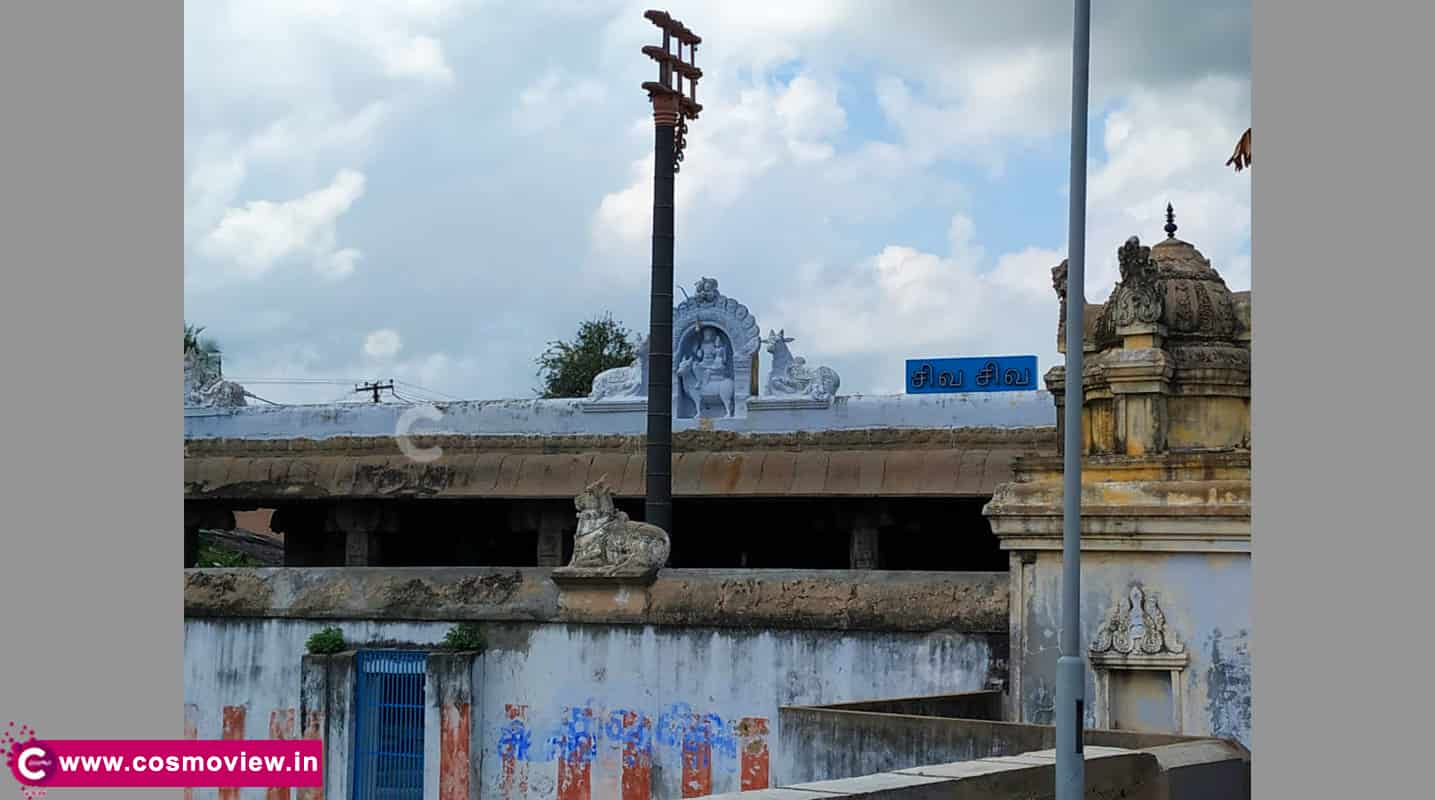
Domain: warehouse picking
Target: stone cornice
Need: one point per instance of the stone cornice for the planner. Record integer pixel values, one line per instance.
(963, 602)
(1035, 439)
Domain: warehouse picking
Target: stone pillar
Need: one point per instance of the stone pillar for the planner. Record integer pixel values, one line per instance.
(364, 526)
(553, 529)
(865, 543)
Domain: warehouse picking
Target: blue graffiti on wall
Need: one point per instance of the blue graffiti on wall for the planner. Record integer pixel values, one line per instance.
(636, 738)
(514, 740)
(575, 737)
(574, 740)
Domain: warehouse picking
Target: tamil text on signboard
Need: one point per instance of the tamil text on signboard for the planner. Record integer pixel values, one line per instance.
(981, 374)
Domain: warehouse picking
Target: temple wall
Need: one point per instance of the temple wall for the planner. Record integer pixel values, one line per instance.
(580, 693)
(1205, 598)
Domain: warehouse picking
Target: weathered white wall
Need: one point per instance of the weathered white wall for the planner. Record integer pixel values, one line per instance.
(1206, 599)
(581, 693)
(560, 417)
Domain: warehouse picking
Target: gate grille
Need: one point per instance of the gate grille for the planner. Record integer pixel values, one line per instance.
(389, 725)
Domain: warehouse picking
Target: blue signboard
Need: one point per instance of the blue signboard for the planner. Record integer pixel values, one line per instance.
(980, 374)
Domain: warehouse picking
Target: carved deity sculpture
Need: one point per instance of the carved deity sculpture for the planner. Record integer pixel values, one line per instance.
(791, 377)
(704, 372)
(608, 543)
(626, 382)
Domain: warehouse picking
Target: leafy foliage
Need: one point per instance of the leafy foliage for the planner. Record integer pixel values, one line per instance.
(567, 369)
(325, 642)
(465, 636)
(215, 557)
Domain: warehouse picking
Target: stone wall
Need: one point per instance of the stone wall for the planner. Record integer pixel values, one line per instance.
(678, 683)
(1205, 598)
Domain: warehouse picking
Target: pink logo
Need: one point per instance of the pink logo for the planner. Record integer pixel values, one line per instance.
(30, 760)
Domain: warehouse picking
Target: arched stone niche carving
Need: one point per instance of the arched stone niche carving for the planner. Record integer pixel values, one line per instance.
(1134, 645)
(715, 339)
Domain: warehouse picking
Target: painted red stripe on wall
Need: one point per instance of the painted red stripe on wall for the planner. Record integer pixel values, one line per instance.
(191, 731)
(281, 726)
(513, 783)
(313, 729)
(752, 737)
(232, 728)
(697, 759)
(454, 766)
(575, 767)
(637, 781)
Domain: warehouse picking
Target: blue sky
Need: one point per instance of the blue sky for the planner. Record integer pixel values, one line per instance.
(431, 190)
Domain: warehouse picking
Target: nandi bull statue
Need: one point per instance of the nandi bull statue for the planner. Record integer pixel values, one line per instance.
(608, 544)
(623, 383)
(790, 377)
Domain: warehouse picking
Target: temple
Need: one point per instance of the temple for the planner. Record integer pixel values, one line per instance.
(856, 587)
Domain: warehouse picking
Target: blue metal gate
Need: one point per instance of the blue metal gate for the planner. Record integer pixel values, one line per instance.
(389, 725)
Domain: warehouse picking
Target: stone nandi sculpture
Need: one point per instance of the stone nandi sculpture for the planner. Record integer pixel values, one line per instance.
(623, 383)
(790, 377)
(608, 544)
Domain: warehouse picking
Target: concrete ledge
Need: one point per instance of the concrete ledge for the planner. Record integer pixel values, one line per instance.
(1109, 773)
(961, 602)
(1195, 770)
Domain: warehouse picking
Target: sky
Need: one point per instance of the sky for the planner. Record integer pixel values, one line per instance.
(430, 191)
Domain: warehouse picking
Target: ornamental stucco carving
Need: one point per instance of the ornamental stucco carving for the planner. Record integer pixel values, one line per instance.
(205, 387)
(609, 544)
(623, 383)
(1138, 299)
(790, 377)
(1136, 626)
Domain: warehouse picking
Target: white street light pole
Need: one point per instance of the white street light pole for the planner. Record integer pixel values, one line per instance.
(1071, 667)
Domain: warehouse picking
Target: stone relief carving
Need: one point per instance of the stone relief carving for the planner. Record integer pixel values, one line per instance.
(204, 386)
(790, 376)
(705, 371)
(623, 383)
(1136, 626)
(714, 340)
(608, 543)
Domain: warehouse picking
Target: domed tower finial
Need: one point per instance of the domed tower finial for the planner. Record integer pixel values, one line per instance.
(1170, 222)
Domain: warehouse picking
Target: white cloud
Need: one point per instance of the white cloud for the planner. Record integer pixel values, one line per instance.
(543, 104)
(794, 194)
(738, 140)
(904, 303)
(253, 240)
(218, 166)
(382, 344)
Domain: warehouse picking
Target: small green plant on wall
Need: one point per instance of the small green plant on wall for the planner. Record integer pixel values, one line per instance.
(465, 636)
(327, 641)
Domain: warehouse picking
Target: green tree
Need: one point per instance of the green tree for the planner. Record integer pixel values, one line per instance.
(567, 368)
